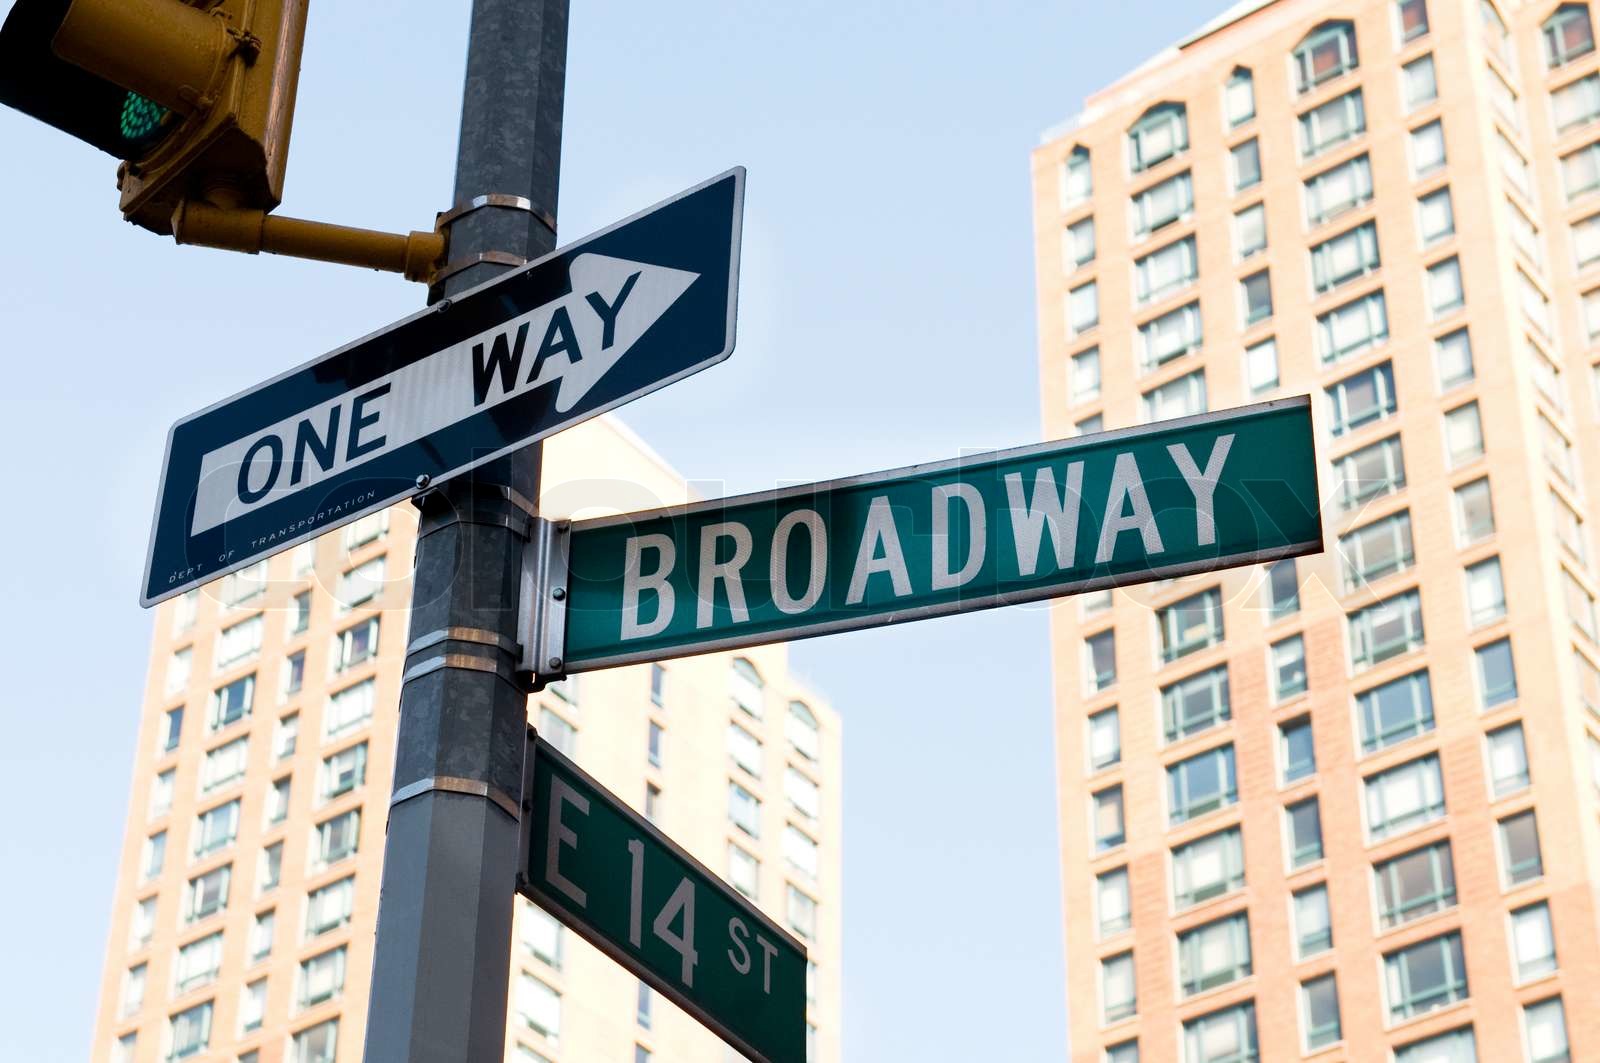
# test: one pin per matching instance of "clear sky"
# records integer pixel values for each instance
(886, 317)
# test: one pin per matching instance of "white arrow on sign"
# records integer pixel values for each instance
(572, 341)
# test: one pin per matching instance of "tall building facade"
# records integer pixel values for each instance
(247, 894)
(1345, 807)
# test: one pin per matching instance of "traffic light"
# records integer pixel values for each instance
(195, 96)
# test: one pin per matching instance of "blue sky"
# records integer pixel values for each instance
(886, 318)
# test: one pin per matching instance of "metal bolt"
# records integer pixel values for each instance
(441, 306)
(559, 594)
(555, 663)
(423, 480)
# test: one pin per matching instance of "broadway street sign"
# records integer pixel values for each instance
(582, 330)
(603, 870)
(1168, 499)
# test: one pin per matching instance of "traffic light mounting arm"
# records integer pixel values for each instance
(417, 255)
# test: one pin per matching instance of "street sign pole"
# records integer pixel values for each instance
(442, 956)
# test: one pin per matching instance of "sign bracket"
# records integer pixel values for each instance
(546, 560)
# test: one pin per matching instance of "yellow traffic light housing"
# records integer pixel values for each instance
(196, 97)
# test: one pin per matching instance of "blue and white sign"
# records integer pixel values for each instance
(587, 328)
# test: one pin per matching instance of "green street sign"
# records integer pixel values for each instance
(606, 872)
(1189, 495)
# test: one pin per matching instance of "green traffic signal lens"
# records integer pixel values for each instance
(142, 119)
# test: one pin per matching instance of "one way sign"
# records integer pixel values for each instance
(617, 315)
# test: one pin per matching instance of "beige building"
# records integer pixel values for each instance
(1346, 808)
(247, 894)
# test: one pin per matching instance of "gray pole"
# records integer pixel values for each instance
(443, 953)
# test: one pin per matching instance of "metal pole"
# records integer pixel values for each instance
(443, 953)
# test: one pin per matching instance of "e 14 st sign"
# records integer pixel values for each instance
(606, 872)
(1167, 499)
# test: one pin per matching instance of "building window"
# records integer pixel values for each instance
(1586, 241)
(330, 907)
(1113, 903)
(1250, 231)
(292, 676)
(143, 924)
(1225, 1036)
(1288, 668)
(1568, 34)
(803, 731)
(1105, 740)
(244, 585)
(1445, 294)
(1457, 1046)
(1327, 52)
(744, 749)
(1580, 605)
(1521, 860)
(1239, 97)
(1463, 432)
(1330, 124)
(1086, 375)
(1375, 470)
(161, 794)
(1089, 425)
(1395, 711)
(337, 837)
(1418, 83)
(1422, 977)
(746, 688)
(1117, 993)
(1195, 704)
(1580, 171)
(1313, 922)
(1533, 942)
(368, 529)
(1169, 336)
(1427, 149)
(1569, 528)
(541, 935)
(197, 963)
(1343, 258)
(354, 645)
(171, 731)
(1546, 1024)
(1413, 18)
(1246, 159)
(238, 642)
(1255, 297)
(1576, 103)
(261, 934)
(1436, 217)
(1160, 133)
(1296, 750)
(133, 981)
(1077, 183)
(744, 810)
(1497, 674)
(1486, 593)
(189, 1031)
(804, 796)
(1083, 304)
(252, 1005)
(1525, 234)
(1319, 1012)
(1110, 829)
(1338, 189)
(359, 585)
(1403, 797)
(348, 709)
(1452, 352)
(1200, 784)
(302, 613)
(232, 703)
(1415, 884)
(285, 735)
(207, 894)
(1100, 660)
(1165, 270)
(642, 1016)
(1535, 304)
(744, 871)
(1190, 624)
(1261, 367)
(216, 828)
(1126, 1052)
(1377, 550)
(1352, 328)
(1283, 588)
(178, 669)
(1207, 867)
(802, 913)
(1303, 822)
(269, 872)
(321, 978)
(153, 856)
(343, 772)
(1162, 204)
(1214, 954)
(278, 802)
(539, 1007)
(316, 1044)
(224, 765)
(1588, 684)
(1177, 398)
(1474, 512)
(653, 740)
